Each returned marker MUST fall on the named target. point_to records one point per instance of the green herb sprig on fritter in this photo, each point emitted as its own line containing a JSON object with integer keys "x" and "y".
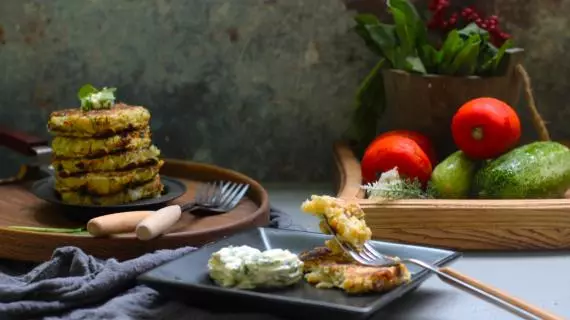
{"x": 92, "y": 99}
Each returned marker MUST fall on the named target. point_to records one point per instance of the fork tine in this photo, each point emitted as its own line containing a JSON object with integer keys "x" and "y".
{"x": 367, "y": 255}
{"x": 217, "y": 194}
{"x": 225, "y": 193}
{"x": 385, "y": 260}
{"x": 225, "y": 186}
{"x": 359, "y": 258}
{"x": 370, "y": 250}
{"x": 355, "y": 255}
{"x": 208, "y": 194}
{"x": 236, "y": 199}
{"x": 201, "y": 191}
{"x": 230, "y": 194}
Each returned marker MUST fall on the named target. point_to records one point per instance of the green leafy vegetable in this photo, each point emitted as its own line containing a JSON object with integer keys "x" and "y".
{"x": 369, "y": 105}
{"x": 49, "y": 230}
{"x": 406, "y": 17}
{"x": 431, "y": 57}
{"x": 405, "y": 34}
{"x": 384, "y": 37}
{"x": 472, "y": 29}
{"x": 363, "y": 22}
{"x": 415, "y": 64}
{"x": 91, "y": 98}
{"x": 465, "y": 62}
{"x": 451, "y": 47}
{"x": 497, "y": 59}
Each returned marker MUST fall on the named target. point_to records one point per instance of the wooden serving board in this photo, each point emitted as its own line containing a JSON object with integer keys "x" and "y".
{"x": 458, "y": 224}
{"x": 18, "y": 206}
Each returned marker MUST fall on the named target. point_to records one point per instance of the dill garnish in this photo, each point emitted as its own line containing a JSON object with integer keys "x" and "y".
{"x": 390, "y": 186}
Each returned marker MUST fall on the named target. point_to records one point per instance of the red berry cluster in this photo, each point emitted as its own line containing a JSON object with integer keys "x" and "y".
{"x": 468, "y": 15}
{"x": 437, "y": 8}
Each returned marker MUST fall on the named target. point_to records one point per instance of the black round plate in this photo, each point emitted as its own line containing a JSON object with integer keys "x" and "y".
{"x": 44, "y": 190}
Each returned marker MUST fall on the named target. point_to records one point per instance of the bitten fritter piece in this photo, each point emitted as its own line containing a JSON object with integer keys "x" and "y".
{"x": 346, "y": 219}
{"x": 67, "y": 147}
{"x": 325, "y": 269}
{"x": 150, "y": 189}
{"x": 100, "y": 122}
{"x": 113, "y": 162}
{"x": 105, "y": 183}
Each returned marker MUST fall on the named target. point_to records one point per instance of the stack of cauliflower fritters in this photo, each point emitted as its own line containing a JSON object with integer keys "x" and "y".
{"x": 104, "y": 156}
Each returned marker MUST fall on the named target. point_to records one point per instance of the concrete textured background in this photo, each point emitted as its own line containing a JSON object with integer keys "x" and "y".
{"x": 260, "y": 86}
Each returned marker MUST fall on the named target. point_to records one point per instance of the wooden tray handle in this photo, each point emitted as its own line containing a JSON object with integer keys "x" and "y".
{"x": 20, "y": 142}
{"x": 537, "y": 312}
{"x": 348, "y": 169}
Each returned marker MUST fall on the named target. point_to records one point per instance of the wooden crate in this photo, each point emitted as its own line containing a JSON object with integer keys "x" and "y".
{"x": 458, "y": 224}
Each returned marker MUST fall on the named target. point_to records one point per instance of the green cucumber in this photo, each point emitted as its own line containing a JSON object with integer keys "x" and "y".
{"x": 452, "y": 178}
{"x": 536, "y": 170}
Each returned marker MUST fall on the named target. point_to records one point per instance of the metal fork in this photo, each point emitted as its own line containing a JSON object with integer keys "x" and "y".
{"x": 216, "y": 197}
{"x": 371, "y": 257}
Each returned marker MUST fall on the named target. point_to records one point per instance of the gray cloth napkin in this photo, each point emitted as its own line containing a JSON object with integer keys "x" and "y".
{"x": 74, "y": 285}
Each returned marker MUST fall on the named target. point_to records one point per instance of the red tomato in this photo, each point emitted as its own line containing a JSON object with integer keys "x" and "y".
{"x": 485, "y": 128}
{"x": 419, "y": 138}
{"x": 395, "y": 151}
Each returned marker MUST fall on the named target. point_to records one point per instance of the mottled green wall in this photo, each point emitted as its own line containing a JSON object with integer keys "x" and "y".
{"x": 261, "y": 86}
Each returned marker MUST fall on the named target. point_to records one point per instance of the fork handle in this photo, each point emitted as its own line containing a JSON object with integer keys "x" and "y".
{"x": 495, "y": 296}
{"x": 157, "y": 223}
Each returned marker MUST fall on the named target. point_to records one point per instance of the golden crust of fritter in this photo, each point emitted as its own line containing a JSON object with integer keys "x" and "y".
{"x": 345, "y": 218}
{"x": 117, "y": 161}
{"x": 150, "y": 189}
{"x": 99, "y": 122}
{"x": 325, "y": 269}
{"x": 71, "y": 147}
{"x": 106, "y": 183}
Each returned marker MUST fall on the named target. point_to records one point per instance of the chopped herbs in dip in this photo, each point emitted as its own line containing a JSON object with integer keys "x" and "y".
{"x": 92, "y": 99}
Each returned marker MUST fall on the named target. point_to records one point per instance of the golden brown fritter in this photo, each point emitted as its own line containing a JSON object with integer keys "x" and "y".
{"x": 69, "y": 147}
{"x": 117, "y": 161}
{"x": 99, "y": 122}
{"x": 345, "y": 218}
{"x": 325, "y": 269}
{"x": 150, "y": 189}
{"x": 105, "y": 183}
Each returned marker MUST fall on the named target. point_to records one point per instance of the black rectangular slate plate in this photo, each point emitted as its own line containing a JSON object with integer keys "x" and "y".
{"x": 187, "y": 279}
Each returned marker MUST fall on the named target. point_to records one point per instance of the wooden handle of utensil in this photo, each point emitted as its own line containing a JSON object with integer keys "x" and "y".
{"x": 154, "y": 225}
{"x": 542, "y": 314}
{"x": 115, "y": 223}
{"x": 20, "y": 141}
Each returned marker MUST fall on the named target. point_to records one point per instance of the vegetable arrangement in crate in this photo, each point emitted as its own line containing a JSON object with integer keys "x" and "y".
{"x": 459, "y": 44}
{"x": 402, "y": 163}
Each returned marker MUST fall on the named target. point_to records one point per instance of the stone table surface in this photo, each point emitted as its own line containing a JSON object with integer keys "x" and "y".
{"x": 540, "y": 278}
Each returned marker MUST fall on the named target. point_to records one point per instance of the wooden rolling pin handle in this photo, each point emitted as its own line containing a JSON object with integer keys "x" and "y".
{"x": 542, "y": 314}
{"x": 115, "y": 223}
{"x": 154, "y": 225}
